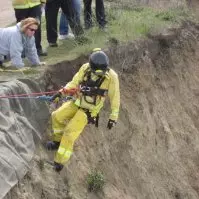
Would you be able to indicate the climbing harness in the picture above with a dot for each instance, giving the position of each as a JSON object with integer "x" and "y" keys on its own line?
{"x": 91, "y": 88}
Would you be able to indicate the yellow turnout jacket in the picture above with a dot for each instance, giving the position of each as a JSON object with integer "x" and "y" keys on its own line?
{"x": 24, "y": 4}
{"x": 110, "y": 83}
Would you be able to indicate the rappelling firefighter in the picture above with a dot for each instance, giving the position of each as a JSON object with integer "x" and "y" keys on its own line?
{"x": 95, "y": 81}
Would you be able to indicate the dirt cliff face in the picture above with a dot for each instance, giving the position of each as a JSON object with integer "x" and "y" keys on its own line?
{"x": 154, "y": 150}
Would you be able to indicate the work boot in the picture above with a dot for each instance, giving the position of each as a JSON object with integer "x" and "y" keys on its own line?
{"x": 58, "y": 167}
{"x": 53, "y": 44}
{"x": 41, "y": 52}
{"x": 52, "y": 145}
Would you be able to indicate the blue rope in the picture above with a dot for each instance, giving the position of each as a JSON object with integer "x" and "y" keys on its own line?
{"x": 43, "y": 98}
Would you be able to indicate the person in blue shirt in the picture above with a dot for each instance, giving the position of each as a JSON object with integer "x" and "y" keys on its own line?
{"x": 30, "y": 8}
{"x": 18, "y": 41}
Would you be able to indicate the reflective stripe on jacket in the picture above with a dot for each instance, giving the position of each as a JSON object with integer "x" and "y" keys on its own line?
{"x": 24, "y": 4}
{"x": 111, "y": 83}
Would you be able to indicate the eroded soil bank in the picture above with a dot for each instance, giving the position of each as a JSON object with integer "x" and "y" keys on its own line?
{"x": 154, "y": 150}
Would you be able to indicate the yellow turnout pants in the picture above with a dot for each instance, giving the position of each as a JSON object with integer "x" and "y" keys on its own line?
{"x": 68, "y": 122}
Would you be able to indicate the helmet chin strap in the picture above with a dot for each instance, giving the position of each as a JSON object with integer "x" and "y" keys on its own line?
{"x": 99, "y": 72}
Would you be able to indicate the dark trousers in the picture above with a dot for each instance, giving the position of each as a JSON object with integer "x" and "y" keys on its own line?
{"x": 99, "y": 11}
{"x": 51, "y": 9}
{"x": 34, "y": 12}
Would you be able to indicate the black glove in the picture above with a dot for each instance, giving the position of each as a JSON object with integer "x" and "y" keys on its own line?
{"x": 58, "y": 167}
{"x": 57, "y": 95}
{"x": 91, "y": 120}
{"x": 111, "y": 123}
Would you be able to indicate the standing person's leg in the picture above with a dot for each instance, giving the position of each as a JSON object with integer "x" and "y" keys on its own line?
{"x": 36, "y": 13}
{"x": 77, "y": 7}
{"x": 72, "y": 16}
{"x": 100, "y": 13}
{"x": 21, "y": 14}
{"x": 51, "y": 11}
{"x": 87, "y": 14}
{"x": 63, "y": 25}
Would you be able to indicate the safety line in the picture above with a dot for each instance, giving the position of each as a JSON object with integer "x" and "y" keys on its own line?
{"x": 20, "y": 95}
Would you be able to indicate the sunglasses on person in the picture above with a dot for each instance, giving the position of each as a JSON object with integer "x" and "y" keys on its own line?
{"x": 32, "y": 29}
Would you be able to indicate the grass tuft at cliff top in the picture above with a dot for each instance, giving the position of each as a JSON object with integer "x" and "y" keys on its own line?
{"x": 123, "y": 25}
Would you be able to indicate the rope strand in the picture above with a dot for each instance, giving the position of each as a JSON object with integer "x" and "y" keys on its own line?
{"x": 20, "y": 95}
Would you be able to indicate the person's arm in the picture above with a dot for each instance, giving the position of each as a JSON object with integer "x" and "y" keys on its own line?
{"x": 31, "y": 52}
{"x": 72, "y": 86}
{"x": 114, "y": 96}
{"x": 16, "y": 48}
{"x": 74, "y": 83}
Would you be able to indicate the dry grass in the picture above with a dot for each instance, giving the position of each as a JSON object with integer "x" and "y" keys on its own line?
{"x": 123, "y": 25}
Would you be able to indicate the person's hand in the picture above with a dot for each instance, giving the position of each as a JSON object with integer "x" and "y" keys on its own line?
{"x": 58, "y": 167}
{"x": 111, "y": 124}
{"x": 56, "y": 97}
{"x": 91, "y": 120}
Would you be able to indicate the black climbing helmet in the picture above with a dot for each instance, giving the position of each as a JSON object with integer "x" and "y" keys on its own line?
{"x": 99, "y": 61}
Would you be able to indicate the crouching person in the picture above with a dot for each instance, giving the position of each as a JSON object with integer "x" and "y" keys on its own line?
{"x": 18, "y": 41}
{"x": 95, "y": 81}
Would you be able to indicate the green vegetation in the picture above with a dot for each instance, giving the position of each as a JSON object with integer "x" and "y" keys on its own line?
{"x": 95, "y": 181}
{"x": 174, "y": 15}
{"x": 123, "y": 25}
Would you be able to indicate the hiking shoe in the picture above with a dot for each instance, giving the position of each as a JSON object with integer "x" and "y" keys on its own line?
{"x": 52, "y": 145}
{"x": 53, "y": 44}
{"x": 68, "y": 36}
